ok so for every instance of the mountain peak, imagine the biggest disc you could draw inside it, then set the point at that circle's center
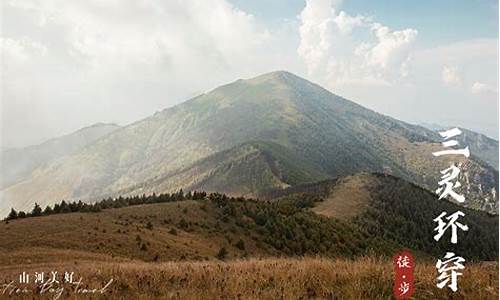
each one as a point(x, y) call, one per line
point(279, 76)
point(275, 80)
point(277, 86)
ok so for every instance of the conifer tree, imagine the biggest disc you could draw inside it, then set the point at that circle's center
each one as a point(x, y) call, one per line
point(37, 210)
point(12, 215)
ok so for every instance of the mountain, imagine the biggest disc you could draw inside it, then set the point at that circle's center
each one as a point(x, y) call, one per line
point(18, 163)
point(248, 137)
point(390, 214)
point(482, 146)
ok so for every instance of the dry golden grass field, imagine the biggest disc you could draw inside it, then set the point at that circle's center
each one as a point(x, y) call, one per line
point(306, 278)
point(123, 234)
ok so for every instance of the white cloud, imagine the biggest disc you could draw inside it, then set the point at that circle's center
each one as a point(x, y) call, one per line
point(392, 47)
point(423, 96)
point(333, 53)
point(451, 75)
point(20, 50)
point(119, 61)
point(347, 23)
point(100, 34)
point(479, 88)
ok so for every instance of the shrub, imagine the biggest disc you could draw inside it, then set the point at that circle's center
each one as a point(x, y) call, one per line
point(240, 244)
point(222, 253)
point(183, 224)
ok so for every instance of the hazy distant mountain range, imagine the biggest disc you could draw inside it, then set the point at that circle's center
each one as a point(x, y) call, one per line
point(249, 137)
point(18, 163)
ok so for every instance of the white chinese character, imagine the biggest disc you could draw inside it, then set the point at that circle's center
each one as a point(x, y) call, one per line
point(448, 175)
point(39, 277)
point(403, 262)
point(54, 277)
point(447, 135)
point(68, 277)
point(24, 278)
point(404, 287)
point(465, 152)
point(452, 222)
point(450, 133)
point(448, 273)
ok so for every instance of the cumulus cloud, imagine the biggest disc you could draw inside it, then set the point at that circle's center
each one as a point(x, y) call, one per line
point(331, 51)
point(119, 61)
point(346, 23)
point(451, 75)
point(391, 46)
point(479, 88)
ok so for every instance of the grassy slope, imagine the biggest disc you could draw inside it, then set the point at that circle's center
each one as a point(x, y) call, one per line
point(112, 234)
point(396, 215)
point(347, 198)
point(234, 172)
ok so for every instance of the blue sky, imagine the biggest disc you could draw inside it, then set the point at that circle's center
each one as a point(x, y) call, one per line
point(74, 63)
point(439, 21)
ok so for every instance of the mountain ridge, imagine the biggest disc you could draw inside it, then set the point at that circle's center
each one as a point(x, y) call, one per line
point(331, 134)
